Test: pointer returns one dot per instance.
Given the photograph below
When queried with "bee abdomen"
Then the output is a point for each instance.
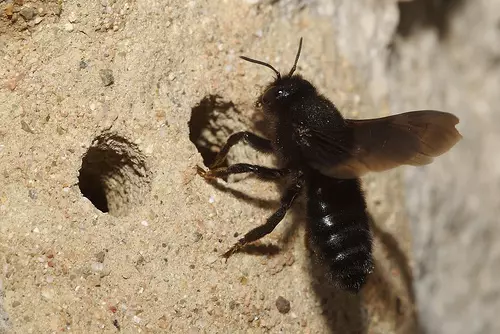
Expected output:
(343, 242)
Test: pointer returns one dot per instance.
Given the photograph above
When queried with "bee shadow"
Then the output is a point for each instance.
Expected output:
(384, 293)
(255, 201)
(397, 255)
(343, 311)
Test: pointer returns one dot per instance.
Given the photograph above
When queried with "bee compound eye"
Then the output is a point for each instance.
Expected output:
(269, 96)
(264, 100)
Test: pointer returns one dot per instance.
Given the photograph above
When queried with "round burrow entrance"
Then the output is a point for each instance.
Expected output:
(114, 175)
(212, 121)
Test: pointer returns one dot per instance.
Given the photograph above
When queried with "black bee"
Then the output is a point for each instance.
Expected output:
(318, 149)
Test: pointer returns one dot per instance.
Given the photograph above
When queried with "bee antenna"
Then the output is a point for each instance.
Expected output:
(263, 64)
(296, 59)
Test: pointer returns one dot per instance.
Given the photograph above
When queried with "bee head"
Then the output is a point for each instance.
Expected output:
(283, 89)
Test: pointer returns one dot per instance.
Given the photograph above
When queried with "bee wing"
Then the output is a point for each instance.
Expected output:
(412, 138)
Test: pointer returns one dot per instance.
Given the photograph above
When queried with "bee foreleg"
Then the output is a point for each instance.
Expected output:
(261, 172)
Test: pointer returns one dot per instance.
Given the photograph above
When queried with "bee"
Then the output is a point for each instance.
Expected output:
(323, 155)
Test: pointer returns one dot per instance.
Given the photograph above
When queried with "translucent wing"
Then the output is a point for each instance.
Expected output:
(412, 138)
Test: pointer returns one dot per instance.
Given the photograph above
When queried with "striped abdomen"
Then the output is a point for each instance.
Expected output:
(339, 230)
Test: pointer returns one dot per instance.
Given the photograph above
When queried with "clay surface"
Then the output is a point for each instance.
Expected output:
(107, 107)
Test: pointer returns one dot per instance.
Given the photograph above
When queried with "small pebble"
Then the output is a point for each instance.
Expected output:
(83, 64)
(211, 199)
(32, 194)
(69, 27)
(107, 77)
(162, 323)
(283, 305)
(36, 230)
(72, 17)
(144, 223)
(136, 319)
(100, 256)
(26, 127)
(27, 13)
(9, 10)
(12, 82)
(47, 293)
(105, 272)
(97, 267)
(140, 261)
(197, 236)
(211, 259)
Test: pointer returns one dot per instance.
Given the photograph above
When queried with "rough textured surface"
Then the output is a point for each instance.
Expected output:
(116, 86)
(450, 60)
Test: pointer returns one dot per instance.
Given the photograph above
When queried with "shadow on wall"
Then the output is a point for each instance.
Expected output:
(343, 311)
(427, 14)
(348, 313)
(205, 123)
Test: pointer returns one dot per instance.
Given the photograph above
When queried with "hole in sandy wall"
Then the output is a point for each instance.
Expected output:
(114, 175)
(212, 121)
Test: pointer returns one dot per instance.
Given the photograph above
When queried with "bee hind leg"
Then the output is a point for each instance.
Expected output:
(262, 230)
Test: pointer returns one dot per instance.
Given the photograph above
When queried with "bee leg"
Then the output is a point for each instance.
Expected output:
(260, 231)
(261, 172)
(258, 143)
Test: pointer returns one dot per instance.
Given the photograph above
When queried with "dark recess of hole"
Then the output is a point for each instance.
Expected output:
(100, 163)
(91, 186)
(418, 14)
(201, 115)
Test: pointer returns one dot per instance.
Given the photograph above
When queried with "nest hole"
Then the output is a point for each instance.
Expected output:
(114, 174)
(212, 121)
